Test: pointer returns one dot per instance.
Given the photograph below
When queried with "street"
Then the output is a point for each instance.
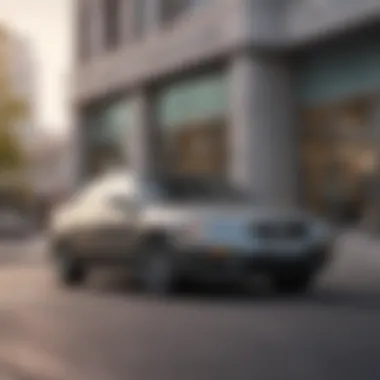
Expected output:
(105, 332)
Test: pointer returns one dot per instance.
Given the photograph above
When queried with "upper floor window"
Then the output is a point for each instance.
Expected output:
(140, 17)
(112, 23)
(83, 30)
(171, 9)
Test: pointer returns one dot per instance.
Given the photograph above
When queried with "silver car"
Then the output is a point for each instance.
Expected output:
(183, 229)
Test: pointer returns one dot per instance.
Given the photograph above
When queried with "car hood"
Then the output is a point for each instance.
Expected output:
(170, 213)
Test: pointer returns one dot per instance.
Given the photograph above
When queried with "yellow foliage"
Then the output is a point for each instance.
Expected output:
(11, 156)
(12, 111)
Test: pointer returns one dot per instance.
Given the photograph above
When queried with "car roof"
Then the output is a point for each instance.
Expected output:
(113, 181)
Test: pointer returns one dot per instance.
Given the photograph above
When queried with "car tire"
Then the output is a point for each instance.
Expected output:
(71, 271)
(300, 283)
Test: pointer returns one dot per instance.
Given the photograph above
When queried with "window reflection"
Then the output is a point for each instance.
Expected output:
(108, 136)
(338, 158)
(198, 148)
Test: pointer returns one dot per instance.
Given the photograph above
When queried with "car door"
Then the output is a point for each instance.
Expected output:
(102, 226)
(85, 217)
(105, 220)
(119, 229)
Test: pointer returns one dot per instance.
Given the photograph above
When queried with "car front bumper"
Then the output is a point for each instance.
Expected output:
(232, 265)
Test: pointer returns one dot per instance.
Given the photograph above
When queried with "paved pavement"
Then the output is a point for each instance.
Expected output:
(103, 333)
(21, 250)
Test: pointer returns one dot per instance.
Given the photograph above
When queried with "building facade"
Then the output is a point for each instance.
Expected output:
(282, 97)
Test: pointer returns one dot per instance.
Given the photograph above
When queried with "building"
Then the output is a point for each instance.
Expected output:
(280, 96)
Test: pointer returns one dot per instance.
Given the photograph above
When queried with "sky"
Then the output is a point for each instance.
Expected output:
(47, 24)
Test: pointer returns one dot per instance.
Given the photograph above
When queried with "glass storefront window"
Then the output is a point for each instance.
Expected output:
(199, 148)
(192, 120)
(338, 157)
(199, 99)
(108, 128)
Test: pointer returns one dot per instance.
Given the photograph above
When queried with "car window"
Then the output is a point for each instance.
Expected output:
(92, 194)
(121, 201)
(102, 189)
(199, 189)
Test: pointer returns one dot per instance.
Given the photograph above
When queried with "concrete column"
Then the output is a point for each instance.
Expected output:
(263, 150)
(143, 137)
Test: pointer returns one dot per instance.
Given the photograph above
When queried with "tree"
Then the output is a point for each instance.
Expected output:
(12, 111)
(14, 189)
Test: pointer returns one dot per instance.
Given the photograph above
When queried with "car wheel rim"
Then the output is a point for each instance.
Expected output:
(64, 263)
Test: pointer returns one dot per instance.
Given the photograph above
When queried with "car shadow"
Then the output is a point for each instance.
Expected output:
(347, 297)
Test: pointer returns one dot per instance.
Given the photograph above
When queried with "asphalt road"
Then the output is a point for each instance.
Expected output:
(103, 332)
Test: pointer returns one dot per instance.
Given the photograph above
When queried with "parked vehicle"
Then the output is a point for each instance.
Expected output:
(175, 229)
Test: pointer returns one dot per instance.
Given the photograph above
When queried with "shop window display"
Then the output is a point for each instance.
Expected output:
(338, 158)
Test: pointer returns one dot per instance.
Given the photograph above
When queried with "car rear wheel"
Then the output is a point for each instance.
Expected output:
(299, 283)
(71, 271)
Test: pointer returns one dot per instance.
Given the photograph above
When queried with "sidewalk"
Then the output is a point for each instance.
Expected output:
(31, 250)
(355, 239)
(356, 260)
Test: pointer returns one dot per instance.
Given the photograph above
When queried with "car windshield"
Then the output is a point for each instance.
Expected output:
(200, 189)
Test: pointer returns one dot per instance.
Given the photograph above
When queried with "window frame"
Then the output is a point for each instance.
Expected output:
(83, 30)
